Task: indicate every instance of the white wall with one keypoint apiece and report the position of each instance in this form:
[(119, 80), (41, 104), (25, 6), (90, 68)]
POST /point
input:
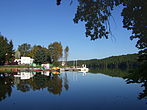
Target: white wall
[(26, 60)]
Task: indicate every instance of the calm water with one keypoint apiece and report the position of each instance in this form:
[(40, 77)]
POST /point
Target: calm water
[(68, 91)]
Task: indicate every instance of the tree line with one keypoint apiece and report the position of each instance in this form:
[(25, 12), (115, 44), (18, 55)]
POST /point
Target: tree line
[(40, 54), (122, 61)]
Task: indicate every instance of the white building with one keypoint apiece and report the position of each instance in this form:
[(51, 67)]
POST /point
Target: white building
[(25, 75), (24, 60)]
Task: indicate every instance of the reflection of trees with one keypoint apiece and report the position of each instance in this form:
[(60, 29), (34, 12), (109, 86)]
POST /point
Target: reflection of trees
[(66, 86), (110, 72), (144, 93), (135, 76), (23, 86), (53, 83), (139, 76), (6, 83), (39, 82)]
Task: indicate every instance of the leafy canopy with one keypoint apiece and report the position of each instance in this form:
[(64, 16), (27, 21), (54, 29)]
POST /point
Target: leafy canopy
[(40, 56), (6, 50), (96, 13), (55, 51), (24, 49)]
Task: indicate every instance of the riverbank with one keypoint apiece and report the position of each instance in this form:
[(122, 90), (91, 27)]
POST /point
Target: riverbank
[(27, 68), (15, 68)]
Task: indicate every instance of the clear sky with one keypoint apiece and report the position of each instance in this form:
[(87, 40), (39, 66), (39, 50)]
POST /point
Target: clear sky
[(42, 22)]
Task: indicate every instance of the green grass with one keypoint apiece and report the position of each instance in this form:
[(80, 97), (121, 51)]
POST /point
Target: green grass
[(7, 68), (18, 66)]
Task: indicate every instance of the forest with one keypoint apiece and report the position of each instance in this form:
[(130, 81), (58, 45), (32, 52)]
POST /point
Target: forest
[(122, 62)]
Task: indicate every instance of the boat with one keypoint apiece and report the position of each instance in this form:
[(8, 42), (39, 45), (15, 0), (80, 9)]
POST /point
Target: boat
[(83, 69)]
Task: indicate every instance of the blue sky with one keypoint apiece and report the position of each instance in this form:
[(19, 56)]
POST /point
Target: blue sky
[(42, 22)]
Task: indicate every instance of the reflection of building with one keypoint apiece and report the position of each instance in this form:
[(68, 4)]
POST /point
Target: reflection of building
[(24, 75), (24, 60), (46, 73)]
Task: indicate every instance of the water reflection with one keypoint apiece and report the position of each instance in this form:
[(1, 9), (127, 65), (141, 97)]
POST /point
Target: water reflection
[(66, 86), (26, 81), (138, 75), (85, 91), (56, 84), (24, 75), (110, 72), (6, 84)]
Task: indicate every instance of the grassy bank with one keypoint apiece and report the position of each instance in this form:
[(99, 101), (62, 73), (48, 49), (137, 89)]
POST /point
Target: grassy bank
[(17, 66)]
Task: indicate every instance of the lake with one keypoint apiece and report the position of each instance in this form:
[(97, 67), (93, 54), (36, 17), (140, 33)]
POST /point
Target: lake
[(69, 91)]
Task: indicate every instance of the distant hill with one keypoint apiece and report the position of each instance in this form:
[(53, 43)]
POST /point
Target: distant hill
[(122, 61)]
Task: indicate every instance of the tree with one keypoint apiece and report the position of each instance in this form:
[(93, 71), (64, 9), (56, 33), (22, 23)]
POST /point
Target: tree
[(10, 51), (24, 49), (40, 57), (47, 55), (134, 19), (34, 49), (6, 50), (96, 14), (3, 44), (66, 50), (17, 54), (55, 51)]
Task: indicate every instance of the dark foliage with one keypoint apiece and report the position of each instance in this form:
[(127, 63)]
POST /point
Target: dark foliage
[(24, 49), (96, 14), (40, 57), (58, 2), (122, 62), (139, 75), (53, 84), (6, 50), (6, 84)]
